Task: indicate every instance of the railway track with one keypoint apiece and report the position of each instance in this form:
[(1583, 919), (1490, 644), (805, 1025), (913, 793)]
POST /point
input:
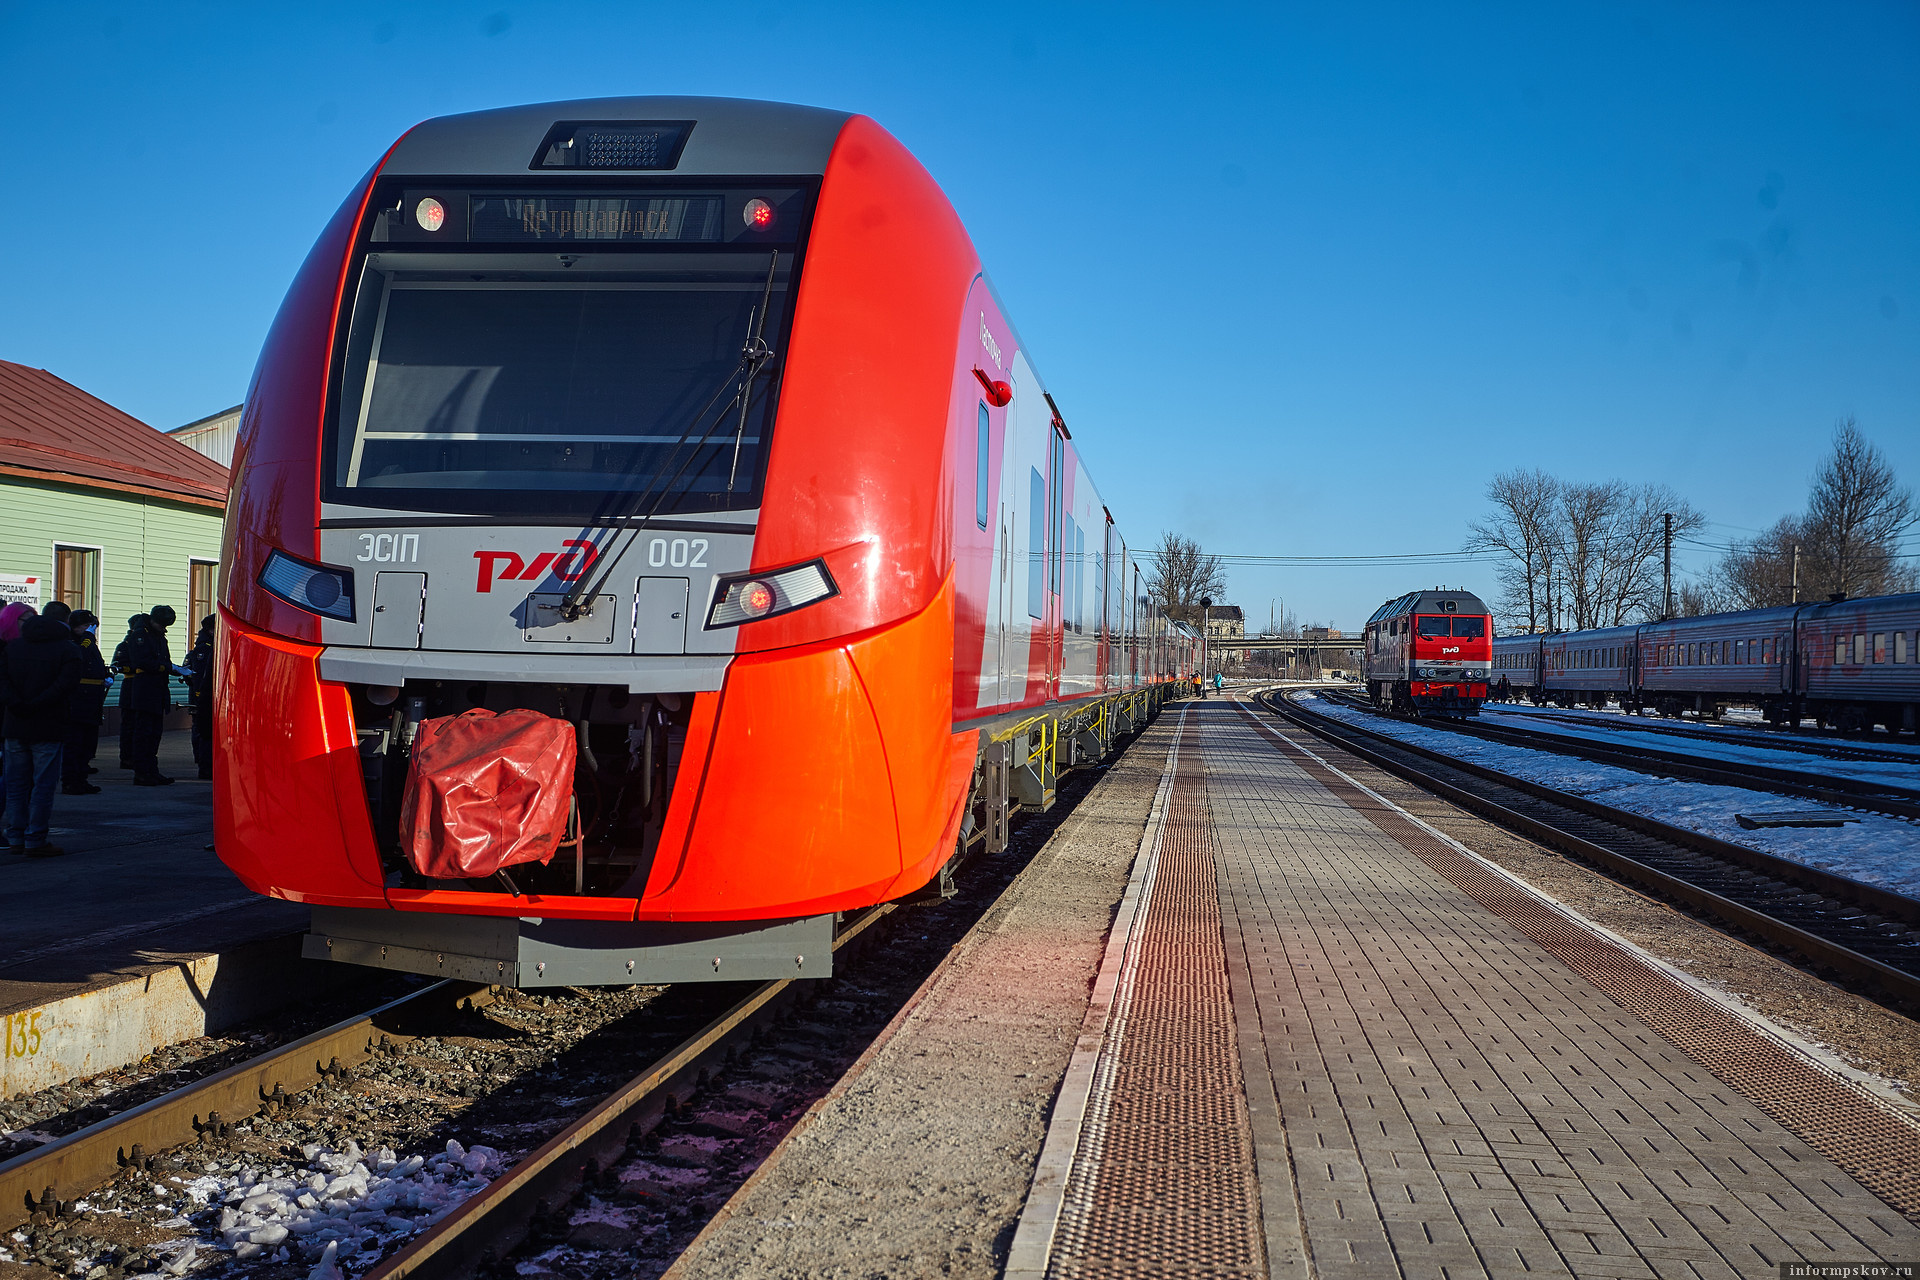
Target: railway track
[(1851, 793), (1864, 934), (1826, 743), (45, 1190)]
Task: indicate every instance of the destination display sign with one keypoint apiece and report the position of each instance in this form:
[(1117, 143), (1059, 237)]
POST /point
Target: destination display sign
[(695, 219)]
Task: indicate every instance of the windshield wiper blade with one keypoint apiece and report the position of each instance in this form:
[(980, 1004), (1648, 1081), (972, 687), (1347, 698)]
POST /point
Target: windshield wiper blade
[(755, 355)]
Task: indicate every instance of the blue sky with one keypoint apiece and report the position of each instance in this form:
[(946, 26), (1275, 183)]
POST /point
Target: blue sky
[(1301, 277)]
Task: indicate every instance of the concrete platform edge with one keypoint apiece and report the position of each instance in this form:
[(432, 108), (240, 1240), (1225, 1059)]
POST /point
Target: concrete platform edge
[(119, 1021), (1032, 1245)]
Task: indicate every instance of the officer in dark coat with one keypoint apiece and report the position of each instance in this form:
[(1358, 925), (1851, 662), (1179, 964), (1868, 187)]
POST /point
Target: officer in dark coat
[(83, 710), (145, 664), (199, 665)]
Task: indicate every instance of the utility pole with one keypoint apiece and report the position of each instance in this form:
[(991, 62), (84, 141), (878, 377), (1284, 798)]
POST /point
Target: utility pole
[(1206, 606), (1796, 573), (1666, 572)]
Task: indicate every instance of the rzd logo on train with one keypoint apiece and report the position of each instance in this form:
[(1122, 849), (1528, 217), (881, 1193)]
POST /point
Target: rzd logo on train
[(568, 566)]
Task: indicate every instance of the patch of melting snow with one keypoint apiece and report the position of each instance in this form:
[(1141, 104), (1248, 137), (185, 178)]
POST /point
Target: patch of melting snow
[(1876, 849), (339, 1205)]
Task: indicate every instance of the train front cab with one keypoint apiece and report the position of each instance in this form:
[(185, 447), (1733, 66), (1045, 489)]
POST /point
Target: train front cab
[(740, 785)]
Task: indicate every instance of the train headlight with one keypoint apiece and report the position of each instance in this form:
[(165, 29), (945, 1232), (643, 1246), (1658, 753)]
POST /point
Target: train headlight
[(430, 214), (315, 588), (751, 597)]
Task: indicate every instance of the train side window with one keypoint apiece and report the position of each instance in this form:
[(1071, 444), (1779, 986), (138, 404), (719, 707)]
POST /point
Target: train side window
[(1839, 650), (980, 469), (1859, 647), (1879, 646), (1899, 646), (1037, 547)]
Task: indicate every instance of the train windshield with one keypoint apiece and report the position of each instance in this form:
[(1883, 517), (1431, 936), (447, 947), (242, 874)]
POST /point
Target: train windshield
[(1471, 628), (558, 383)]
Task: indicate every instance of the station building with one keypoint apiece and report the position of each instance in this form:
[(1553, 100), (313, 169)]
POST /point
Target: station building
[(103, 511)]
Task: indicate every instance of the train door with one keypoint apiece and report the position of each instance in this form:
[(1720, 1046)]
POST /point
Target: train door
[(1056, 503)]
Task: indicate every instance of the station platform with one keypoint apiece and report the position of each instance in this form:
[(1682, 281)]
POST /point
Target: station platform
[(1323, 1040), (1342, 1045), (118, 947)]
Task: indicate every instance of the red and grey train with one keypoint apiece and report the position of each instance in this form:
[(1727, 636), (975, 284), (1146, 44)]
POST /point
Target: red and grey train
[(1429, 652), (696, 424), (1849, 663)]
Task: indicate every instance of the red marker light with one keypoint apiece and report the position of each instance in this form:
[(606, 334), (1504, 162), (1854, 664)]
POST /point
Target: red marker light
[(757, 214), (430, 214), (756, 599)]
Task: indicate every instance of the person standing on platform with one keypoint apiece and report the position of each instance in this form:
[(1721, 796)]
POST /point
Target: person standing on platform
[(199, 666), (83, 712), (143, 658), (38, 673)]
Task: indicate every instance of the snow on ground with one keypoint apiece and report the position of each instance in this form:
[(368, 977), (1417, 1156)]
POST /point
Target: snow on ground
[(1877, 850), (1740, 747), (336, 1206)]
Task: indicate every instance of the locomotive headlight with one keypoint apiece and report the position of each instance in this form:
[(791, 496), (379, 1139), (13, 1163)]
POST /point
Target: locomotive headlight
[(430, 214), (315, 588), (750, 597)]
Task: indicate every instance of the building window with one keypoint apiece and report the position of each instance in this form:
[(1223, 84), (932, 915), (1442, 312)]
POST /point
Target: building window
[(203, 586), (76, 577)]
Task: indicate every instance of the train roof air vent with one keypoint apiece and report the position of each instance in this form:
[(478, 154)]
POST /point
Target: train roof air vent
[(613, 144)]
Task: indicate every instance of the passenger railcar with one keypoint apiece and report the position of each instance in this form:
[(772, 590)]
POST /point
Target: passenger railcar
[(1516, 667), (1429, 651), (1850, 664), (694, 423)]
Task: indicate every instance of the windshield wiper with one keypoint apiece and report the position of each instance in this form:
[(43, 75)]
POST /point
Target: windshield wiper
[(755, 356)]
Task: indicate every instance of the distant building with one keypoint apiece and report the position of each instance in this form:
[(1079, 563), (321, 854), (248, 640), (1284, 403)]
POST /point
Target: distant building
[(212, 437), (1322, 633), (1226, 622), (102, 510)]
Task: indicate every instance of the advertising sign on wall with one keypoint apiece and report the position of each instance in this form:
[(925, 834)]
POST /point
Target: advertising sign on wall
[(22, 587)]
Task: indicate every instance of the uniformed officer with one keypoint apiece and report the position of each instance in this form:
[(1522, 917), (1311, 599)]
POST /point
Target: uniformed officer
[(145, 663), (83, 708)]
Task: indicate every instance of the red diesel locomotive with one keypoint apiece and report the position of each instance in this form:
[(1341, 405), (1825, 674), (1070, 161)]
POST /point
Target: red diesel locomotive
[(1428, 652), (695, 425)]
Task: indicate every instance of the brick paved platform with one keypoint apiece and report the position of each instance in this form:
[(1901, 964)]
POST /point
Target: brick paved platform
[(1435, 1075)]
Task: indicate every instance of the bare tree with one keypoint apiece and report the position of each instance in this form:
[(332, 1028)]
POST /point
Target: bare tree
[(1183, 576), (1848, 541), (1759, 574), (1693, 599), (1578, 555), (1521, 529), (1855, 517)]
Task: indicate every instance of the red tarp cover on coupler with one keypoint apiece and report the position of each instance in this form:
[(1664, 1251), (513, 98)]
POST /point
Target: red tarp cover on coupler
[(486, 791)]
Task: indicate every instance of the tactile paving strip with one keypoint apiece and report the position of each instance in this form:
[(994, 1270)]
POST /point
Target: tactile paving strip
[(1163, 1184), (1881, 1152)]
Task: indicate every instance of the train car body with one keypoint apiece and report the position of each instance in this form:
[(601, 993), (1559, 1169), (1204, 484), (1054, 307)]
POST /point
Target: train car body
[(1587, 666), (1429, 652), (813, 641), (1850, 664), (1516, 666)]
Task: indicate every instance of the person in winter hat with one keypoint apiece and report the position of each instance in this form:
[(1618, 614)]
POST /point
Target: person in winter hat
[(199, 666), (145, 663), (38, 673)]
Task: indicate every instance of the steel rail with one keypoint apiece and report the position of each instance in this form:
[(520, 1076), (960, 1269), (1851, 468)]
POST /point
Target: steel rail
[(1883, 901), (1759, 737), (1849, 793), (70, 1166), (1900, 984), (490, 1224)]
